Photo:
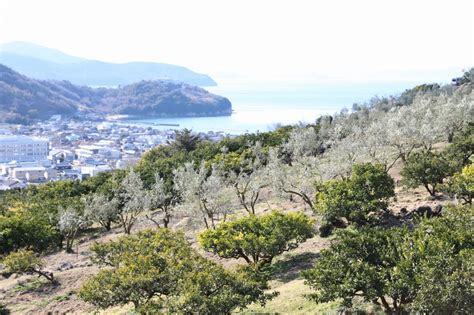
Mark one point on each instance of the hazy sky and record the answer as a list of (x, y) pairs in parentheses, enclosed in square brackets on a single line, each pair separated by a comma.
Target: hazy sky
[(255, 38)]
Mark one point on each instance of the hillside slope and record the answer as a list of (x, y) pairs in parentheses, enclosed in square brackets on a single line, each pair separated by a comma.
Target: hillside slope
[(23, 99)]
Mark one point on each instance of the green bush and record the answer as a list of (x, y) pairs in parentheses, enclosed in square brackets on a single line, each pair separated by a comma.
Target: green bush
[(158, 271), (366, 191), (21, 229), (461, 185), (25, 261), (428, 270), (426, 168), (258, 239)]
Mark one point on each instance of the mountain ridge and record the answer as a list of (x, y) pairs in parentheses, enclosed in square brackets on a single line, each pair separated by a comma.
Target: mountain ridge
[(46, 63), (24, 100)]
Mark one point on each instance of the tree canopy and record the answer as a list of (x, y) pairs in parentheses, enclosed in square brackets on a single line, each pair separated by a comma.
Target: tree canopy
[(429, 269), (258, 239), (366, 191), (158, 271)]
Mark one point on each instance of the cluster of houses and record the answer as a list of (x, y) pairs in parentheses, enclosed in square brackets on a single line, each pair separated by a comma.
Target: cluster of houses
[(58, 149)]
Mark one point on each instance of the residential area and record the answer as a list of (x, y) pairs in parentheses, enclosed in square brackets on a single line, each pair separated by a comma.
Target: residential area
[(66, 149)]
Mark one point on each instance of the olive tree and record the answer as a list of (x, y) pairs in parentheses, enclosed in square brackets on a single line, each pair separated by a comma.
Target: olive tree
[(294, 180), (303, 142), (204, 193), (70, 222), (102, 210), (161, 200), (376, 145), (251, 178), (131, 198), (456, 113), (339, 160)]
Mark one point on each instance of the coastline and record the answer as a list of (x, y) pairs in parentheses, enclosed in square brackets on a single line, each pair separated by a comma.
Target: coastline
[(126, 117)]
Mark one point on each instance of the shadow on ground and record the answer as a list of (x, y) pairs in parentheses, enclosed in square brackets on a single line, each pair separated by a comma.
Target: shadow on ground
[(289, 267)]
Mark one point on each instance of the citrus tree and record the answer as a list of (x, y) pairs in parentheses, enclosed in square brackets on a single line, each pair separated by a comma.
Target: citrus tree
[(158, 271), (427, 270), (366, 191), (258, 239), (425, 168), (461, 185), (25, 261)]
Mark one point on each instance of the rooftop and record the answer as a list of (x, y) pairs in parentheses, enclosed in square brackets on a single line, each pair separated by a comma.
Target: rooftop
[(19, 138)]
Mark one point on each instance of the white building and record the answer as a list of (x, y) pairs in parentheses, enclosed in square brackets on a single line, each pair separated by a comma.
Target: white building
[(89, 171), (33, 174), (23, 149), (97, 151)]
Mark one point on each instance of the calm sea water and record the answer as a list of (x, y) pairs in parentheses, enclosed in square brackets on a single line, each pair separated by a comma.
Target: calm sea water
[(261, 106)]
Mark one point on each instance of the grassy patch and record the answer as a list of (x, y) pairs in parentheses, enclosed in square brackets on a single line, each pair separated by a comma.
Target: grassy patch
[(30, 285), (61, 298), (292, 300), (57, 299), (287, 281)]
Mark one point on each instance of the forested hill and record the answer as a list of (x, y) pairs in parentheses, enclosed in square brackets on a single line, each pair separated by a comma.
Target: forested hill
[(45, 63), (23, 99)]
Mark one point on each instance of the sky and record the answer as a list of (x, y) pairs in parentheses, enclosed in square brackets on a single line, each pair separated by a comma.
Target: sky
[(257, 39)]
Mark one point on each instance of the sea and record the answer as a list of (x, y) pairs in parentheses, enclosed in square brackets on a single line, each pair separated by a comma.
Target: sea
[(262, 106)]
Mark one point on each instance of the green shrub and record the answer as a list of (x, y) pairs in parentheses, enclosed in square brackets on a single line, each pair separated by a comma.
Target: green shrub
[(461, 185), (25, 261), (158, 271), (428, 270), (366, 191), (425, 168), (258, 239), (22, 229)]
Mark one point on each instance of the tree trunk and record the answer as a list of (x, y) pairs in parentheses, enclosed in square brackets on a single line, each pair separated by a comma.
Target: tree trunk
[(166, 221), (386, 306), (205, 222), (47, 275), (127, 227), (254, 202), (450, 137), (430, 191)]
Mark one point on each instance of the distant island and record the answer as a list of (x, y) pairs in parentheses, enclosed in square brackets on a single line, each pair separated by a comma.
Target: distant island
[(45, 63), (25, 100)]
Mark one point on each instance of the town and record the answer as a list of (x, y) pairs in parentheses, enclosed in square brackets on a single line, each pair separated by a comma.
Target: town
[(60, 149)]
